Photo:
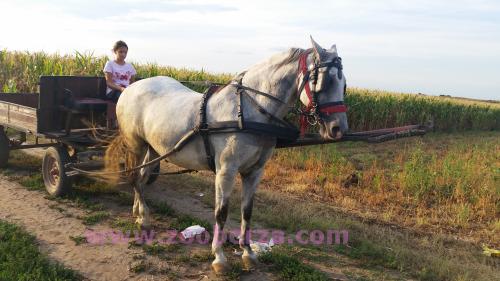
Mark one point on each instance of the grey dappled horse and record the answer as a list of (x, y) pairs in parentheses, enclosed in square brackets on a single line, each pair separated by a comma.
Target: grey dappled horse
[(155, 113)]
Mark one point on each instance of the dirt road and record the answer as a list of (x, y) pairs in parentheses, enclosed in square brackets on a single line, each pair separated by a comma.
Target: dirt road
[(53, 223)]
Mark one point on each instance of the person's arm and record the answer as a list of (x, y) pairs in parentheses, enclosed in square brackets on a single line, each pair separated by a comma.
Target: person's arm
[(132, 76), (111, 84)]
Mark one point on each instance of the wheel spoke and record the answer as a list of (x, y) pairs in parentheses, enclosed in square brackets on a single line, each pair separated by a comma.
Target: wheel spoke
[(53, 172), (54, 176)]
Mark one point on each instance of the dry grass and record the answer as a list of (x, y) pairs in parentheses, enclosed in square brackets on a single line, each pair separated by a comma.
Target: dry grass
[(436, 183), (384, 250)]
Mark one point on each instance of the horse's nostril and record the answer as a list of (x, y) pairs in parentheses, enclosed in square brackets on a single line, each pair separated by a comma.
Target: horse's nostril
[(339, 135), (335, 131)]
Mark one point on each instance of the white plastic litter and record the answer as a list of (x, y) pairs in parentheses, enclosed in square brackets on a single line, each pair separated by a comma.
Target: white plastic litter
[(192, 231), (260, 247)]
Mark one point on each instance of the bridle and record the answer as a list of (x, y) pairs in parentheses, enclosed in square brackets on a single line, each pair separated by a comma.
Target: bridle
[(314, 112)]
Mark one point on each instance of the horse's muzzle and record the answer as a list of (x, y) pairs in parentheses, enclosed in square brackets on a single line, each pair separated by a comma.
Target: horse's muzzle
[(336, 133), (333, 129)]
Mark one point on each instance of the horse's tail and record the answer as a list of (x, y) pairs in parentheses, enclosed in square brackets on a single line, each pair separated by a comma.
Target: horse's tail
[(117, 153)]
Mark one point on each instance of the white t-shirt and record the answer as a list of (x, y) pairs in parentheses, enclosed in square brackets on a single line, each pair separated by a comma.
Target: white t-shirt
[(121, 73)]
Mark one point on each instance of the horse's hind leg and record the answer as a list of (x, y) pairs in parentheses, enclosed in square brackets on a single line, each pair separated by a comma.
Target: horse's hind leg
[(140, 209), (250, 181), (224, 184)]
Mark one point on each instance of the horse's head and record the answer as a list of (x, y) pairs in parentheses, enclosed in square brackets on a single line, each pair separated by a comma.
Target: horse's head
[(322, 86)]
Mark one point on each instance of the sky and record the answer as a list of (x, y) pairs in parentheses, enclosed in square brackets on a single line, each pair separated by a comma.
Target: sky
[(431, 47)]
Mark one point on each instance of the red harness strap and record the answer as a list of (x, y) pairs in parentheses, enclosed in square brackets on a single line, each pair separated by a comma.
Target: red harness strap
[(303, 68), (327, 110)]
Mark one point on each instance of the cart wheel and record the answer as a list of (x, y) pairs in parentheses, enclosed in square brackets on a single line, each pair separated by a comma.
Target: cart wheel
[(4, 148), (54, 176), (154, 177)]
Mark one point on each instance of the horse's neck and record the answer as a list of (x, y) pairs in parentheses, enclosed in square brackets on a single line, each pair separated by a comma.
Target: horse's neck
[(276, 77)]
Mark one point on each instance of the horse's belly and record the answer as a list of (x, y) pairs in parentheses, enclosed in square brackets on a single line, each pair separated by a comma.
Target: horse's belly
[(191, 156)]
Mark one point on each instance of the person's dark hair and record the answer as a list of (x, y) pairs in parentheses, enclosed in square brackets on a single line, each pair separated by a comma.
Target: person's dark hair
[(118, 45)]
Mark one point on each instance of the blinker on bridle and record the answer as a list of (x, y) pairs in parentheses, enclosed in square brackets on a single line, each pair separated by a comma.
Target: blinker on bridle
[(315, 112)]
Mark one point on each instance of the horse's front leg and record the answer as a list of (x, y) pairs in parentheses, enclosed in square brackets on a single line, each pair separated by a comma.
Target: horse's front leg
[(250, 181), (224, 184)]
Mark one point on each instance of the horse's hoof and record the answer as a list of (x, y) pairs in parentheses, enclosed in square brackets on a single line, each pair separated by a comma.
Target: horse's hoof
[(220, 268), (146, 228), (143, 225), (249, 262)]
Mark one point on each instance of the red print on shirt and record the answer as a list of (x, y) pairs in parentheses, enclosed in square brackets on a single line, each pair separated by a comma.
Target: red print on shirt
[(121, 76)]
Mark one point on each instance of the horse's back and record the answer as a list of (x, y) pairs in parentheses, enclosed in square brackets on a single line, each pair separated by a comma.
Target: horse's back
[(150, 107), (154, 91), (153, 87)]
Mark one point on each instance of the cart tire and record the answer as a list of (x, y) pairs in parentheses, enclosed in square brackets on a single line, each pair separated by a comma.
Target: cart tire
[(152, 178), (4, 148), (54, 176)]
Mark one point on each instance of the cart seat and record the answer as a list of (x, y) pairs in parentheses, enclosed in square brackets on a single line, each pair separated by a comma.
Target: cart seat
[(85, 104), (76, 106), (97, 105)]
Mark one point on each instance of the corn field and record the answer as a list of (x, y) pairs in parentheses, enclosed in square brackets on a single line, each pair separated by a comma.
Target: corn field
[(368, 109)]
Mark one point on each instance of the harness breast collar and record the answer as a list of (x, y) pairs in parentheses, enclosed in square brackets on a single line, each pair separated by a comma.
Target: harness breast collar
[(284, 132)]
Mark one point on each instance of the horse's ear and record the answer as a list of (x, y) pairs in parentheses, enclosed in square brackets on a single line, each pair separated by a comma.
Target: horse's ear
[(318, 50), (334, 48)]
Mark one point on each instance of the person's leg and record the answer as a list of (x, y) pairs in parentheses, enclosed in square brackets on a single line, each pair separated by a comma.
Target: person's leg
[(116, 95), (111, 112), (113, 95)]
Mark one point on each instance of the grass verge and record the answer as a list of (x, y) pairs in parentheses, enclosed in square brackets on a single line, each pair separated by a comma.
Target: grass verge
[(20, 258)]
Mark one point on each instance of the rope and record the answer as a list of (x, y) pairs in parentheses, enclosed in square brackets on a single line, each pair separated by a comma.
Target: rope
[(175, 173), (178, 146)]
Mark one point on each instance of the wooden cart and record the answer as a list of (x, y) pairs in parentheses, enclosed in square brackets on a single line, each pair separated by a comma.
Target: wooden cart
[(64, 117)]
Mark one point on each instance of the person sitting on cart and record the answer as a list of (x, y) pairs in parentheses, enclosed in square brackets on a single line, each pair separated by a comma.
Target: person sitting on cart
[(119, 74)]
